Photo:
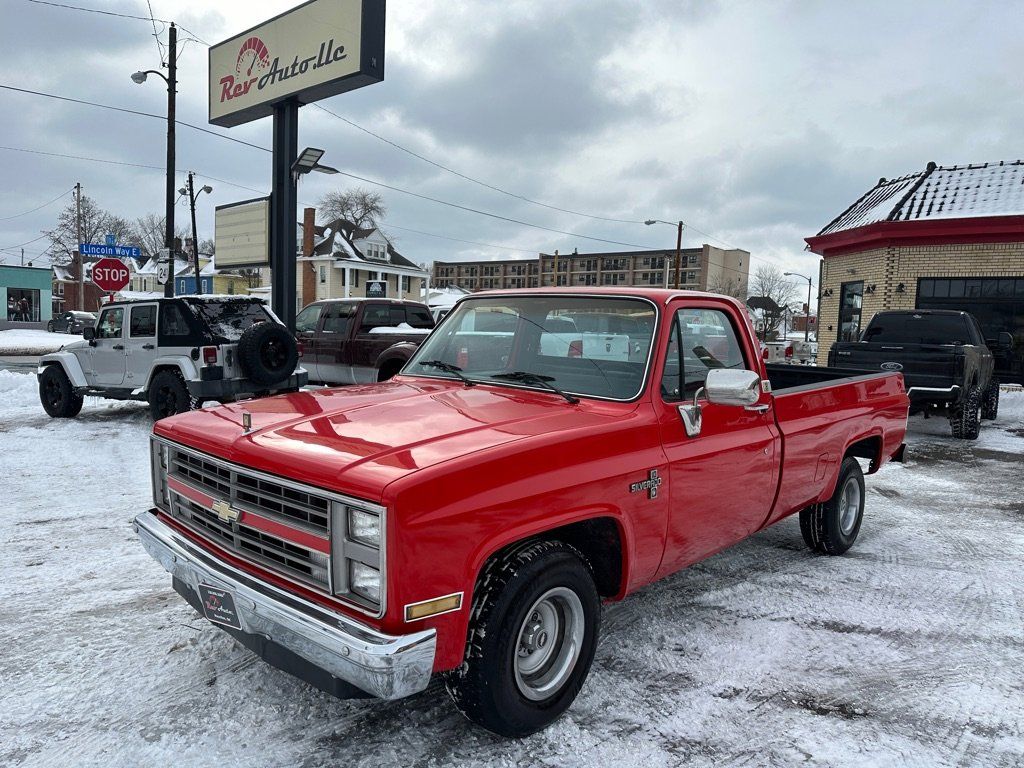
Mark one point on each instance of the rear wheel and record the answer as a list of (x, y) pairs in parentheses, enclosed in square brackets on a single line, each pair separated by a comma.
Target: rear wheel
[(965, 415), (168, 395), (832, 527), (531, 642), (58, 397), (990, 401), (268, 353), (49, 326)]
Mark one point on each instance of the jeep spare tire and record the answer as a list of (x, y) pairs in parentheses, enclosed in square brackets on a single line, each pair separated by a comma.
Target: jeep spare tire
[(267, 353)]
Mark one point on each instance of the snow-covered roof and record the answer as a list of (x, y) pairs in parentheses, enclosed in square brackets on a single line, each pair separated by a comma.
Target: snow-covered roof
[(956, 192), (62, 273), (337, 238)]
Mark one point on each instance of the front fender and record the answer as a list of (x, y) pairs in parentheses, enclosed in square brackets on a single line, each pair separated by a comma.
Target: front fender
[(183, 363), (69, 362)]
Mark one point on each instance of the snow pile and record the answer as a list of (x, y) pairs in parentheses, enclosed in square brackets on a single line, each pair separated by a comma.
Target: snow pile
[(26, 341), (402, 328)]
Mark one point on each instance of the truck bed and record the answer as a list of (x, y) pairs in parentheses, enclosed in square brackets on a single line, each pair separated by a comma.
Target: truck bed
[(786, 379)]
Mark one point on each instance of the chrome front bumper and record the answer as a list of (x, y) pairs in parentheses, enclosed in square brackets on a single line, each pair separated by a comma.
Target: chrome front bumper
[(384, 666)]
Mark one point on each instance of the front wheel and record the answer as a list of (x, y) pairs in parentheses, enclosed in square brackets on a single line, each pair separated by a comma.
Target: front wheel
[(58, 397), (832, 527), (531, 642), (168, 395), (49, 326), (965, 416)]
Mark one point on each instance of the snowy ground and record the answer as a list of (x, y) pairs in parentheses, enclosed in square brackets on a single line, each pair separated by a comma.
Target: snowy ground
[(27, 341), (908, 651)]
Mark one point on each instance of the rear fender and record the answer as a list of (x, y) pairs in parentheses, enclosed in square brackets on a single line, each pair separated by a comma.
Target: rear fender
[(69, 362), (868, 445), (400, 352), (183, 363)]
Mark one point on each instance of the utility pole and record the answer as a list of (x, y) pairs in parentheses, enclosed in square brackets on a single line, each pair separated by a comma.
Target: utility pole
[(172, 88), (78, 246), (23, 257), (195, 240), (679, 253), (554, 276)]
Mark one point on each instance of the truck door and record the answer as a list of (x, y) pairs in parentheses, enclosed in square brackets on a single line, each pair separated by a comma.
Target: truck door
[(721, 481), (140, 351), (367, 346), (306, 323), (334, 348), (108, 353)]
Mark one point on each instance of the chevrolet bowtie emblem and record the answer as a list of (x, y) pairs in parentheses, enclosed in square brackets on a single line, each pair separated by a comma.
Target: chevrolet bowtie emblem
[(225, 511)]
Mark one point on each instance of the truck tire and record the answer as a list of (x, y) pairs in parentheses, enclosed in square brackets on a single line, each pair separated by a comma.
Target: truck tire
[(831, 527), (49, 326), (965, 415), (532, 636), (990, 401), (58, 397), (268, 353), (168, 395)]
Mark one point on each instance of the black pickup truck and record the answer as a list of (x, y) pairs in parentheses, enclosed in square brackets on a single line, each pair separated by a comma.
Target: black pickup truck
[(944, 360)]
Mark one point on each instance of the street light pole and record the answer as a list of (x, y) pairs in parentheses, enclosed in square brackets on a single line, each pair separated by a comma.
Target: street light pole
[(679, 248), (171, 78), (807, 315), (190, 192)]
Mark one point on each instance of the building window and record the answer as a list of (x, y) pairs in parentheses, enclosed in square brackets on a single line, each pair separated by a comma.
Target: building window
[(693, 258), (851, 297), (231, 287), (60, 289), (405, 283), (323, 274)]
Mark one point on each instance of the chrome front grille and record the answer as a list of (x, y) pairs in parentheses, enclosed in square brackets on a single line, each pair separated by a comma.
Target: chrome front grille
[(259, 494), (278, 501)]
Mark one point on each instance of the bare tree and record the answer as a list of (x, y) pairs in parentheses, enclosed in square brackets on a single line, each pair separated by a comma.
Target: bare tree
[(95, 224), (727, 287), (770, 283), (149, 234), (359, 206)]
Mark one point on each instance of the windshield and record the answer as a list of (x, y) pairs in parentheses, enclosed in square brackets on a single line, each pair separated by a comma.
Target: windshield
[(230, 318), (588, 346), (918, 329)]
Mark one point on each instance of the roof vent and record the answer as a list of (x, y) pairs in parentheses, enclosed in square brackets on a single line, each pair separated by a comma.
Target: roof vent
[(932, 166)]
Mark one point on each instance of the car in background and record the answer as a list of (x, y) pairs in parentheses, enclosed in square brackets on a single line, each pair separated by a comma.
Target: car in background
[(792, 351), (71, 322), (360, 341)]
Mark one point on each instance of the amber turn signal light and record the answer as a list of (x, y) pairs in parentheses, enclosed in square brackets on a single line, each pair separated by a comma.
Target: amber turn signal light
[(445, 604)]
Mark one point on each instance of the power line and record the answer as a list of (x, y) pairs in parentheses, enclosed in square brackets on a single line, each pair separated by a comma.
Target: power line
[(39, 208), (81, 157), (458, 240), (470, 178), (119, 15), (132, 112)]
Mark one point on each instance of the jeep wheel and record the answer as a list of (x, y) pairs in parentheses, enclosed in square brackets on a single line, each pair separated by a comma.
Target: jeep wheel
[(965, 415), (268, 353), (990, 401), (531, 641), (832, 527), (168, 395), (49, 326), (58, 397)]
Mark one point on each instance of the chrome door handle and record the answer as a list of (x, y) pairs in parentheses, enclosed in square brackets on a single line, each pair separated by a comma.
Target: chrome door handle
[(757, 408), (118, 346), (148, 346)]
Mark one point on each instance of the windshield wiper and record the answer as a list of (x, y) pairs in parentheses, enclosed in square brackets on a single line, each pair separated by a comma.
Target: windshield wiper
[(441, 365), (536, 378)]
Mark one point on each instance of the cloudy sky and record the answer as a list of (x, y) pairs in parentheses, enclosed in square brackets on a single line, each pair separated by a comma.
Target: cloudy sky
[(755, 123)]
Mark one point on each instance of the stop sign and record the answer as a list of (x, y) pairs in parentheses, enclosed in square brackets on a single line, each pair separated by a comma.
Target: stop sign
[(110, 275)]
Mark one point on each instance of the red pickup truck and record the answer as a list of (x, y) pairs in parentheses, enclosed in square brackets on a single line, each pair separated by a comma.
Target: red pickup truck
[(542, 452)]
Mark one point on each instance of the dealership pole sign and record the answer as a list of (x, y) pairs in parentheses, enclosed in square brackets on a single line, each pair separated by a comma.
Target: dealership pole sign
[(316, 50)]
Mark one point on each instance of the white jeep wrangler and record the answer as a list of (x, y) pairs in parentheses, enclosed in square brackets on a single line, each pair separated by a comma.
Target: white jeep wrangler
[(175, 353)]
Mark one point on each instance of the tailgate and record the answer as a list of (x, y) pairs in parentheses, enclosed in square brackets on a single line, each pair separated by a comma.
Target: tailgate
[(922, 365)]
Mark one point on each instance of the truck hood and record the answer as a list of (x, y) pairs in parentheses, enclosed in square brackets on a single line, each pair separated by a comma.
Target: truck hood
[(357, 440)]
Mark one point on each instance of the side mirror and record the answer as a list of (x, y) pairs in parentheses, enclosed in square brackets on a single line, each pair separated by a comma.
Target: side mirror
[(727, 386), (88, 333), (1005, 340)]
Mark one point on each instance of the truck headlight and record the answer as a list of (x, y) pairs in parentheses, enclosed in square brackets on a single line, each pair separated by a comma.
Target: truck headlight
[(365, 581), (364, 527)]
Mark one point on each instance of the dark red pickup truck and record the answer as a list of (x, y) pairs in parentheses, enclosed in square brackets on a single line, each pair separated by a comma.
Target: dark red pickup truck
[(541, 453), (359, 341)]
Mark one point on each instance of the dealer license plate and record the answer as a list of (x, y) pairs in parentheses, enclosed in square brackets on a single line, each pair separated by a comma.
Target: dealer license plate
[(219, 606)]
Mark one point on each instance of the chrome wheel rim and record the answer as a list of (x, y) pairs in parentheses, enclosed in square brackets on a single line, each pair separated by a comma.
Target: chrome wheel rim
[(548, 643), (849, 506)]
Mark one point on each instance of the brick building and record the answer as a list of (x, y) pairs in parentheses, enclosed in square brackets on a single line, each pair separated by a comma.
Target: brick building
[(941, 238), (705, 268)]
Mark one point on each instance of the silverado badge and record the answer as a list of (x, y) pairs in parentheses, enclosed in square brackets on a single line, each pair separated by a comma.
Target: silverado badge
[(650, 485), (225, 511)]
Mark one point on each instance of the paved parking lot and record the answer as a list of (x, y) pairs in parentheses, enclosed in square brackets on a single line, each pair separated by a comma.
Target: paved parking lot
[(907, 651)]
